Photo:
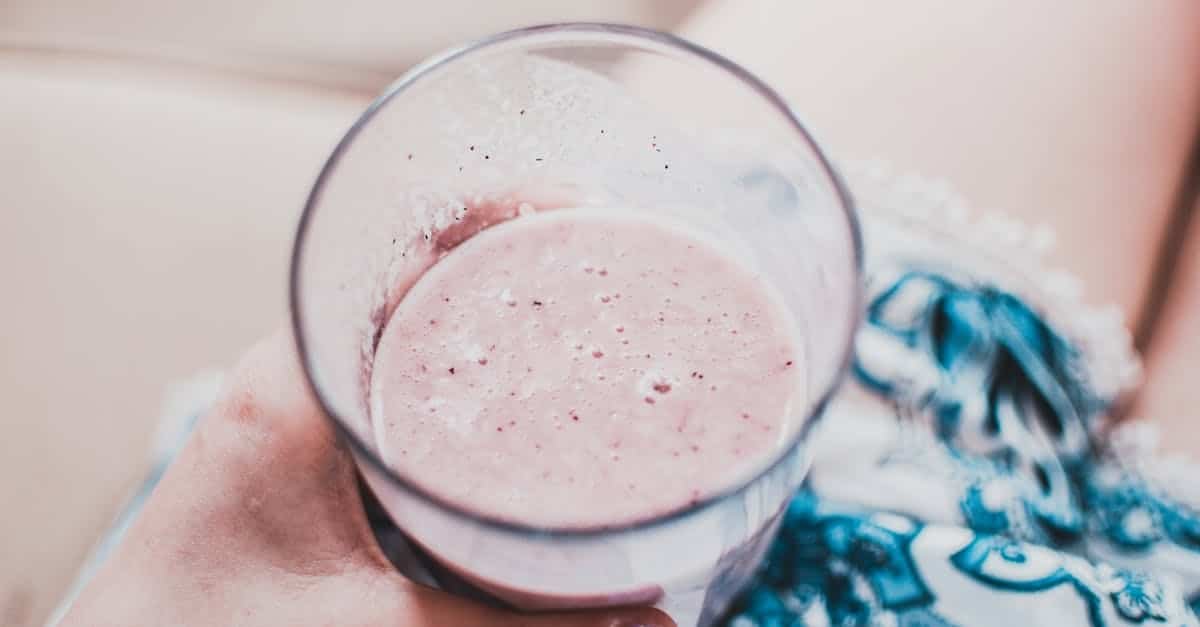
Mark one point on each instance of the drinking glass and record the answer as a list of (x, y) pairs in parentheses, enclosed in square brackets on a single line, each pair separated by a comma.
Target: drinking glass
[(578, 115)]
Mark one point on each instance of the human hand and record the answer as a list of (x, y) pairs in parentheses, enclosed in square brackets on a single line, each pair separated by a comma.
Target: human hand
[(259, 522)]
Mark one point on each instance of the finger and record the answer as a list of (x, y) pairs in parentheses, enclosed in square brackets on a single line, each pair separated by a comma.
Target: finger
[(266, 474), (268, 401), (425, 607), (267, 429)]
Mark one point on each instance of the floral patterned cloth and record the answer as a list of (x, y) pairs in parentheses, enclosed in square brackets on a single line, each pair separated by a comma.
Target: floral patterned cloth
[(967, 473)]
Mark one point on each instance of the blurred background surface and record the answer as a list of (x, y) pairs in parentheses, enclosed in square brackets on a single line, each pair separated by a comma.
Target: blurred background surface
[(154, 157)]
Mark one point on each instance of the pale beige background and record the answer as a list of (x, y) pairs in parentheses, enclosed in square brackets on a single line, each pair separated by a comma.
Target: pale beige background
[(154, 156), (153, 160)]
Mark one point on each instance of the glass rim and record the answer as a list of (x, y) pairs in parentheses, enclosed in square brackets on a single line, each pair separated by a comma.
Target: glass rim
[(670, 41)]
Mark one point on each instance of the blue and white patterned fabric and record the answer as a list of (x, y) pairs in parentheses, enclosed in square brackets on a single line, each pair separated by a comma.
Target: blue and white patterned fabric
[(966, 474)]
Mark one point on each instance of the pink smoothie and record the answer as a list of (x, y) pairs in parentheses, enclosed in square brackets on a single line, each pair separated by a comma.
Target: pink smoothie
[(584, 368)]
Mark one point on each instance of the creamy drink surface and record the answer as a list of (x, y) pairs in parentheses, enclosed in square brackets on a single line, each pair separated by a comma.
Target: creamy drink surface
[(584, 368)]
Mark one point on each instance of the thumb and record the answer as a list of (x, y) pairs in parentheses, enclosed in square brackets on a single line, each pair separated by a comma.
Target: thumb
[(269, 395)]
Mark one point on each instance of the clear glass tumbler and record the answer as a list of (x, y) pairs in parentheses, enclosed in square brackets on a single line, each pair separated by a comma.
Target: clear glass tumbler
[(567, 116)]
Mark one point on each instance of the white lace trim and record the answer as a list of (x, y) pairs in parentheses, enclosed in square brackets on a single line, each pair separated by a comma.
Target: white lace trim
[(1134, 446)]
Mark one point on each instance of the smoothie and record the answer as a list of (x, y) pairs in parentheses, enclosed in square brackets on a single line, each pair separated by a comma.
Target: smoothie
[(584, 368)]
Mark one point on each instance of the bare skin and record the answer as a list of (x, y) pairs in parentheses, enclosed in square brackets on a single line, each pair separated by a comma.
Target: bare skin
[(1171, 397), (259, 522), (1077, 114)]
